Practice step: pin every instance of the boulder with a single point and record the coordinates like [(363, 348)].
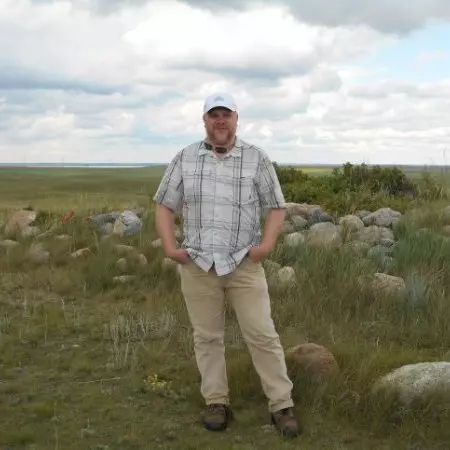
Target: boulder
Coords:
[(127, 224), (387, 284), (374, 234), (416, 382), (383, 217), (296, 209), (286, 276), (288, 227), (294, 239), (317, 215), (123, 279), (299, 223), (81, 253), (313, 360), (20, 222), (324, 234), (8, 244), (351, 223)]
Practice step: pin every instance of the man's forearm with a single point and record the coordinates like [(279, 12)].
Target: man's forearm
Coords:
[(273, 226), (166, 228)]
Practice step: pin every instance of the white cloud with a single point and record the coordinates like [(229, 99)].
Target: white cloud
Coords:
[(129, 85)]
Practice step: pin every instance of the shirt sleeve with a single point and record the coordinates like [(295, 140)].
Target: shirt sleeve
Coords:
[(268, 186), (170, 192)]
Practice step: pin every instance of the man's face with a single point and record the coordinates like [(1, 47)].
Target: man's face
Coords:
[(220, 124)]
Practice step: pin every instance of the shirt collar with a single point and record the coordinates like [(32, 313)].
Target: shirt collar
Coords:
[(236, 151)]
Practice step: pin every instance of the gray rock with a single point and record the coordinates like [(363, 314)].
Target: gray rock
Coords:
[(122, 264), (157, 243), (81, 253), (388, 284), (288, 227), (389, 243), (299, 223), (294, 239), (122, 279), (351, 223), (8, 244), (324, 234), (373, 234), (363, 213), (317, 215), (416, 381), (383, 217), (286, 276), (20, 221), (297, 209), (127, 224)]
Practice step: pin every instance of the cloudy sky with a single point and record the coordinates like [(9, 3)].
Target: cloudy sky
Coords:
[(323, 81)]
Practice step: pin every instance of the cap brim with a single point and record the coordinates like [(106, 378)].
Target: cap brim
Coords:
[(220, 106)]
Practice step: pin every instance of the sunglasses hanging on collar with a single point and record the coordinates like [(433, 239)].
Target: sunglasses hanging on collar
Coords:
[(217, 149)]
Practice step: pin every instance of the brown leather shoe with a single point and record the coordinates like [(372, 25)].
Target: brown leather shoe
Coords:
[(216, 417), (285, 422)]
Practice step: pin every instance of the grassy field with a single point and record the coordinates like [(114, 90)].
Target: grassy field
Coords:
[(89, 364)]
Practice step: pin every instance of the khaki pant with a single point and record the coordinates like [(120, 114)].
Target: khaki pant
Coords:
[(246, 291)]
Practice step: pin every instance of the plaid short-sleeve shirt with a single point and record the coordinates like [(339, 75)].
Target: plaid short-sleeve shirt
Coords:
[(221, 199)]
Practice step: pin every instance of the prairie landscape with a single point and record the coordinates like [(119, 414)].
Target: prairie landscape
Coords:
[(96, 348)]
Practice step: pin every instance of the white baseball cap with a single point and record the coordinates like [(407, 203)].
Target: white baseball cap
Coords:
[(219, 99)]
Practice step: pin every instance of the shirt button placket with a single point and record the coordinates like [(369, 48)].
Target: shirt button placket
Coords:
[(216, 166)]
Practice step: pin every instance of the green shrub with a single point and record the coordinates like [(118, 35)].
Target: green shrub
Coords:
[(355, 187)]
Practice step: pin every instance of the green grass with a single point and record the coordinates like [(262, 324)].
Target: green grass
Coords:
[(77, 350)]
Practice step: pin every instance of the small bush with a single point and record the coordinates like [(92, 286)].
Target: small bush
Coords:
[(356, 187)]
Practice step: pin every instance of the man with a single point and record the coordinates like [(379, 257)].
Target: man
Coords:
[(222, 183)]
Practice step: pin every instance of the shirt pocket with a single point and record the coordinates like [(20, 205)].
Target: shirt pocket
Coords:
[(247, 190), (245, 194), (198, 184)]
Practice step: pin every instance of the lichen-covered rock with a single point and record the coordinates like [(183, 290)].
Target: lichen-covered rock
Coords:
[(296, 209), (286, 276), (351, 223), (383, 217), (416, 382), (123, 279), (20, 222), (299, 223), (387, 284), (324, 234), (81, 253), (374, 234), (294, 239), (288, 227), (8, 244)]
